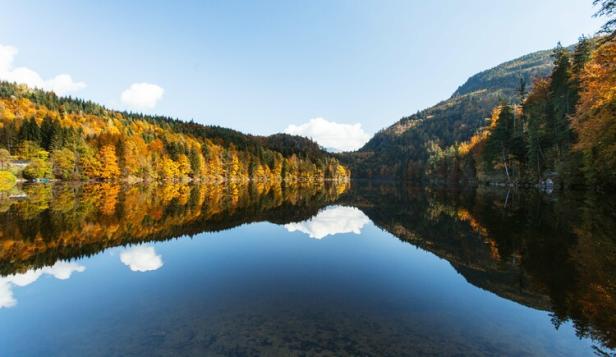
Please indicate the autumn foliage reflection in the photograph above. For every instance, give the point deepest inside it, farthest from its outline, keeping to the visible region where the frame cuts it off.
(553, 253)
(68, 221)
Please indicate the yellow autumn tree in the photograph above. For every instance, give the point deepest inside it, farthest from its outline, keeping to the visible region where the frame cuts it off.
(109, 163)
(63, 163)
(170, 169)
(132, 157)
(90, 165)
(341, 173)
(214, 165)
(594, 121)
(233, 166)
(183, 166)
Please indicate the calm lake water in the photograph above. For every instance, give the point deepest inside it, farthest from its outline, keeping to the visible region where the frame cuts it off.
(360, 269)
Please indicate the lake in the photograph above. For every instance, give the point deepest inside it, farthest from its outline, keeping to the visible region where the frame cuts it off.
(334, 269)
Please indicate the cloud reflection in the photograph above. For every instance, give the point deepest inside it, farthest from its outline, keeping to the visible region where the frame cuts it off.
(141, 258)
(60, 270)
(333, 220)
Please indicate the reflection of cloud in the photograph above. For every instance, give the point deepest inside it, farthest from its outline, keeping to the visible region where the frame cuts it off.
(6, 295)
(60, 270)
(332, 220)
(141, 258)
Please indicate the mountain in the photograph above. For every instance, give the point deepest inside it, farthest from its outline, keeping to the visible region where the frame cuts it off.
(401, 150)
(72, 139)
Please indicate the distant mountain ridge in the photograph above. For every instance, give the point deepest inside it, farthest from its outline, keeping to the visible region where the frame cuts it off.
(506, 75)
(400, 150)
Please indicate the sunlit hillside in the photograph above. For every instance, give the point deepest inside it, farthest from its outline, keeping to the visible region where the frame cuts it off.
(73, 139)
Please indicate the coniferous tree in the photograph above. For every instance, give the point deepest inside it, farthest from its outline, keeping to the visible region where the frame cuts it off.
(522, 90)
(561, 103)
(195, 161)
(30, 131)
(49, 129)
(580, 57)
(9, 136)
(535, 111)
(499, 144)
(607, 9)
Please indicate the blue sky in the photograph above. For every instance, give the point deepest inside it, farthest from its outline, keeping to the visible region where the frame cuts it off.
(260, 67)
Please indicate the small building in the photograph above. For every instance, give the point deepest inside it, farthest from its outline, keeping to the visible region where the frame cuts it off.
(21, 164)
(19, 196)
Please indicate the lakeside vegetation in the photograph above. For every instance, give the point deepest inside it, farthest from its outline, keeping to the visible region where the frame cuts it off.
(483, 225)
(549, 116)
(403, 150)
(564, 129)
(43, 136)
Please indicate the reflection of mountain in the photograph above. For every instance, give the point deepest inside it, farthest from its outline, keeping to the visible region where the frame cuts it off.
(64, 222)
(555, 255)
(331, 221)
(401, 150)
(448, 232)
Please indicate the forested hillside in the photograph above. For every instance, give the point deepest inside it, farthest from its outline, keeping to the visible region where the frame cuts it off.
(43, 136)
(403, 149)
(563, 131)
(546, 118)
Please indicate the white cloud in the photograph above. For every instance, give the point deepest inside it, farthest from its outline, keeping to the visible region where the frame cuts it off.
(61, 84)
(6, 295)
(331, 135)
(60, 270)
(141, 258)
(7, 54)
(142, 95)
(333, 220)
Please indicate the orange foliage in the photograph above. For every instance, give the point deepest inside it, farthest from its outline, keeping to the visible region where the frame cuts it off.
(109, 163)
(595, 119)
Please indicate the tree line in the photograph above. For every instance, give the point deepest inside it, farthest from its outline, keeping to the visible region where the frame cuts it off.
(546, 116)
(72, 139)
(563, 129)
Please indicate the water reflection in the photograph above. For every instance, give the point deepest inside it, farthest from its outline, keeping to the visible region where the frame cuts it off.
(331, 221)
(554, 253)
(550, 252)
(69, 221)
(60, 270)
(141, 258)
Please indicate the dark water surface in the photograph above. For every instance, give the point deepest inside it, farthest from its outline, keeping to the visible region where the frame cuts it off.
(364, 269)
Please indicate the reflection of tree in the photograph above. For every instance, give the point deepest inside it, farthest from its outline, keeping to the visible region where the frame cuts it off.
(556, 254)
(67, 221)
